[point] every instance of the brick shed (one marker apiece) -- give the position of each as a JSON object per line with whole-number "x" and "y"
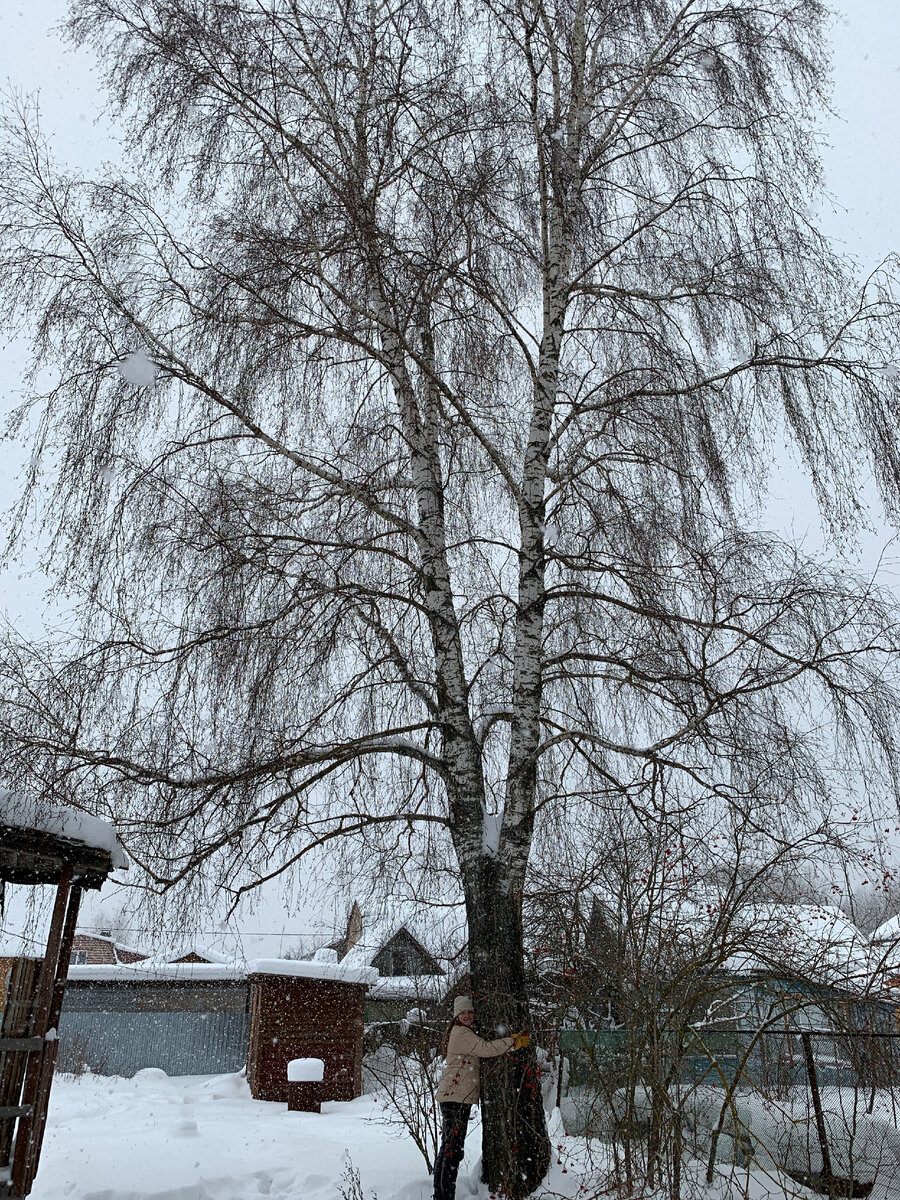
{"x": 306, "y": 1010}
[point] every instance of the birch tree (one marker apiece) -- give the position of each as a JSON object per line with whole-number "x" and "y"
{"x": 394, "y": 417}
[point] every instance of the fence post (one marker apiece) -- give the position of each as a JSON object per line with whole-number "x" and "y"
{"x": 817, "y": 1106}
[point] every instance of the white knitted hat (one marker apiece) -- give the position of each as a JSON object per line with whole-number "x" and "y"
{"x": 462, "y": 1004}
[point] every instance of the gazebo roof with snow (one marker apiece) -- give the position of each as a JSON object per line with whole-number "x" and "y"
{"x": 42, "y": 843}
{"x": 38, "y": 841}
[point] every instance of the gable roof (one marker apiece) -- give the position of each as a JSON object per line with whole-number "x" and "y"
{"x": 401, "y": 940}
{"x": 814, "y": 941}
{"x": 437, "y": 936}
{"x": 118, "y": 951}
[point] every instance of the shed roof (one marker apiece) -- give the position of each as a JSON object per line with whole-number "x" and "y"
{"x": 37, "y": 840}
{"x": 306, "y": 969}
{"x": 154, "y": 970}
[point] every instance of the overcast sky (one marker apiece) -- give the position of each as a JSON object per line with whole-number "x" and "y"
{"x": 862, "y": 161}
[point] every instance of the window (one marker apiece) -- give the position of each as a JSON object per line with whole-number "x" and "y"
{"x": 78, "y": 959}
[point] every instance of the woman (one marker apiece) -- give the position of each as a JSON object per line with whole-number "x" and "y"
{"x": 458, "y": 1090}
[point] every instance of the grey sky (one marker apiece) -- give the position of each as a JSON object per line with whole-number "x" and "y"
{"x": 862, "y": 160}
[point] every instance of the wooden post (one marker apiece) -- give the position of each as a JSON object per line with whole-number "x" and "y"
{"x": 304, "y": 1096}
{"x": 817, "y": 1106}
{"x": 40, "y": 1065}
{"x": 51, "y": 1048}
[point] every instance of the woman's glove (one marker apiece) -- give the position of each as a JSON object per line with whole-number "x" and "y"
{"x": 521, "y": 1040}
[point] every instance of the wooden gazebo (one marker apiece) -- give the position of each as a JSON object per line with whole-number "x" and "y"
{"x": 41, "y": 844}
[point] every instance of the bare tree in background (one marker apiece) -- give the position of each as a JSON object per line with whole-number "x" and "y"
{"x": 395, "y": 418}
{"x": 670, "y": 975}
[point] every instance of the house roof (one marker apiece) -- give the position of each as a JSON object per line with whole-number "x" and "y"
{"x": 37, "y": 840}
{"x": 815, "y": 941}
{"x": 223, "y": 948}
{"x": 184, "y": 950}
{"x": 438, "y": 933}
{"x": 888, "y": 933}
{"x": 107, "y": 939}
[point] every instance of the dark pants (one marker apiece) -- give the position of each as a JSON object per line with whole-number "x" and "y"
{"x": 454, "y": 1122}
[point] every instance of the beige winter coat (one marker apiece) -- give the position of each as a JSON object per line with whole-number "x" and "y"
{"x": 459, "y": 1082}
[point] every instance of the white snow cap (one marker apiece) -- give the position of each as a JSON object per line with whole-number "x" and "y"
{"x": 138, "y": 368}
{"x": 325, "y": 954}
{"x": 305, "y": 1070}
{"x": 22, "y": 812}
{"x": 304, "y": 969}
{"x": 148, "y": 970}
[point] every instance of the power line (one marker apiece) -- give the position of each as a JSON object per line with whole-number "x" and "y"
{"x": 155, "y": 929}
{"x": 210, "y": 933}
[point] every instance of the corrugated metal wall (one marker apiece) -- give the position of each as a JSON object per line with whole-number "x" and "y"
{"x": 180, "y": 1043}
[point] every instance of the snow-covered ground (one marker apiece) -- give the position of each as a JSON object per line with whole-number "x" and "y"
{"x": 203, "y": 1138}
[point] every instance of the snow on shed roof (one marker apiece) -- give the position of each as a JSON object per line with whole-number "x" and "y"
{"x": 69, "y": 824}
{"x": 154, "y": 969}
{"x": 306, "y": 969}
{"x": 149, "y": 970}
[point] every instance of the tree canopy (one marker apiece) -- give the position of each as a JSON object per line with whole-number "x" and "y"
{"x": 407, "y": 394}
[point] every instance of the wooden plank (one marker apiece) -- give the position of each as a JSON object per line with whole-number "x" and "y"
{"x": 50, "y": 966}
{"x": 18, "y": 1022}
{"x": 51, "y": 1048}
{"x": 25, "y": 1151}
{"x": 20, "y": 1110}
{"x": 21, "y": 1045}
{"x": 37, "y": 1121}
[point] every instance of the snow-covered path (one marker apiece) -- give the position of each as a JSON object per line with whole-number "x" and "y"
{"x": 200, "y": 1138}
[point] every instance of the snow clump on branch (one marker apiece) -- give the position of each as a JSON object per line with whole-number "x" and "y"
{"x": 138, "y": 368}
